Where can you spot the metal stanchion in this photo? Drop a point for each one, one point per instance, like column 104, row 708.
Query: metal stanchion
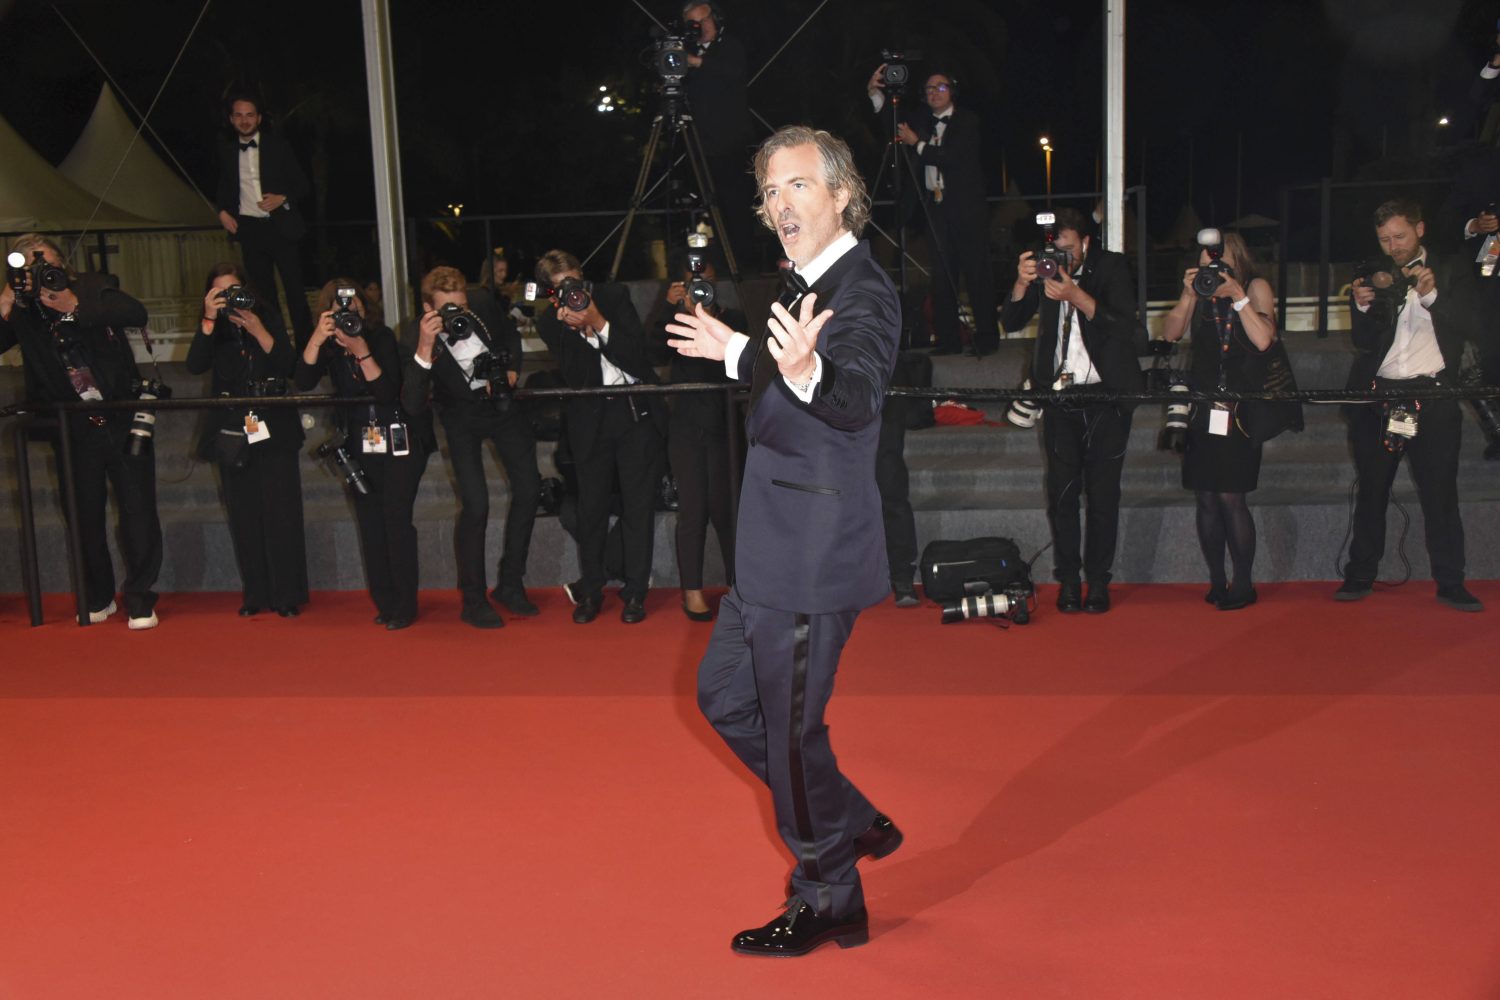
column 70, row 506
column 30, row 573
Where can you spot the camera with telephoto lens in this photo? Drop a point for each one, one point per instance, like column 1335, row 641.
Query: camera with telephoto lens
column 1163, row 377
column 354, row 476
column 43, row 274
column 237, row 297
column 897, row 75
column 1211, row 275
column 143, row 424
column 350, row 322
column 1050, row 259
column 1024, row 412
column 700, row 291
column 981, row 601
column 458, row 322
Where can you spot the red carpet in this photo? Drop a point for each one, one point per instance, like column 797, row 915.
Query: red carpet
column 1296, row 800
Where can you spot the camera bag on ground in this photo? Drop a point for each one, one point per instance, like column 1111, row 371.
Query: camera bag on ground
column 948, row 565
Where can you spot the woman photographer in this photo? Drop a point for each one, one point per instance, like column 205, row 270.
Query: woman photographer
column 362, row 359
column 1230, row 328
column 258, row 449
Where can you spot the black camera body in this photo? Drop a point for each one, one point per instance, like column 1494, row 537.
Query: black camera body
column 1051, row 260
column 1211, row 276
column 238, row 297
column 700, row 291
column 43, row 273
column 143, row 424
column 458, row 322
column 670, row 52
column 349, row 322
column 270, row 387
column 574, row 293
column 1383, row 274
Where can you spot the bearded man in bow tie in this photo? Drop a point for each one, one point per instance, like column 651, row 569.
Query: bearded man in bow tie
column 811, row 552
column 259, row 196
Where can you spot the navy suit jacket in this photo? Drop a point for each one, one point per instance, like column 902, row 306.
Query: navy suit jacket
column 810, row 536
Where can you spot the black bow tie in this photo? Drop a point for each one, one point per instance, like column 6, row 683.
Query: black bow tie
column 936, row 121
column 247, row 145
column 793, row 285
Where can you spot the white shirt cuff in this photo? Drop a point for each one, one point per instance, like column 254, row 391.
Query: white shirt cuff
column 1428, row 299
column 1470, row 230
column 878, row 99
column 1488, row 72
column 921, row 146
column 1363, row 309
column 425, row 364
column 806, row 394
column 732, row 352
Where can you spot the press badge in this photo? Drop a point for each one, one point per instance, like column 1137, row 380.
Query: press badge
column 255, row 431
column 1403, row 422
column 1218, row 421
column 374, row 442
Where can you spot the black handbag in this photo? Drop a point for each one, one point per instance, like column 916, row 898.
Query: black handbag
column 948, row 565
column 1268, row 371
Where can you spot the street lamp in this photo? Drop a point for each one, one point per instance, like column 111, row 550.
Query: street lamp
column 1047, row 150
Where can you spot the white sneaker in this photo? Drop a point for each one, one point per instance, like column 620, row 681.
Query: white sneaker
column 95, row 617
column 150, row 621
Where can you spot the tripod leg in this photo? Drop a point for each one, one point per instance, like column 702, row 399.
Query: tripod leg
column 699, row 163
column 637, row 197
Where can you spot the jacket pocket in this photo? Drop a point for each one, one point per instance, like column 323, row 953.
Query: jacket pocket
column 826, row 491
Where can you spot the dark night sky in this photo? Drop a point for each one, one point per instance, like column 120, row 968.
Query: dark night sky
column 496, row 100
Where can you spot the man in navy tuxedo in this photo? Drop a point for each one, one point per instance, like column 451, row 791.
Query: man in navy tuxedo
column 812, row 549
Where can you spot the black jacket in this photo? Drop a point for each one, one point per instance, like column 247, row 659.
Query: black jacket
column 957, row 157
column 279, row 174
column 240, row 368
column 1114, row 338
column 445, row 383
column 343, row 371
column 627, row 350
column 1453, row 312
column 716, row 98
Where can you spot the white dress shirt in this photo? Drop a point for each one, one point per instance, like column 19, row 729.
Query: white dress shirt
column 933, row 177
column 250, row 193
column 1077, row 363
column 1414, row 352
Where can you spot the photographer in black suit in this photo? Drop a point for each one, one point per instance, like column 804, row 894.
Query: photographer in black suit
column 944, row 141
column 1409, row 334
column 1087, row 337
column 466, row 358
column 715, row 87
column 73, row 347
column 597, row 339
column 260, row 193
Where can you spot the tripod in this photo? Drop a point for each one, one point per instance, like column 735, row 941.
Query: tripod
column 674, row 115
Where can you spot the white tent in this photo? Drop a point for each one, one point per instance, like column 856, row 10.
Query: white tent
column 34, row 196
column 142, row 184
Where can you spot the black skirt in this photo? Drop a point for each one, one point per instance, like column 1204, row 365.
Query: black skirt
column 1219, row 463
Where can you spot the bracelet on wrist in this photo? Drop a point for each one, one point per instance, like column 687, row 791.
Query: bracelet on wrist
column 364, row 358
column 1240, row 305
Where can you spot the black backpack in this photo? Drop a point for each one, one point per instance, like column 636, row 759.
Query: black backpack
column 947, row 566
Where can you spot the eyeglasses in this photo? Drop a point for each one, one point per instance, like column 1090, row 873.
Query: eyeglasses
column 941, row 88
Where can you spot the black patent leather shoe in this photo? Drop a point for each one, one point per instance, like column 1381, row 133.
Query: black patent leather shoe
column 634, row 611
column 382, row 618
column 879, row 841
column 1098, row 600
column 586, row 611
column 397, row 624
column 246, row 610
column 1070, row 598
column 906, row 595
column 706, row 615
column 290, row 611
column 482, row 616
column 800, row 929
column 514, row 600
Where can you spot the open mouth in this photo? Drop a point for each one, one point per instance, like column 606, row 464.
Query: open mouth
column 789, row 230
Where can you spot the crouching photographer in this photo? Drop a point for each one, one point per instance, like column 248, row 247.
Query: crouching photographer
column 71, row 331
column 384, row 449
column 597, row 339
column 466, row 357
column 258, row 449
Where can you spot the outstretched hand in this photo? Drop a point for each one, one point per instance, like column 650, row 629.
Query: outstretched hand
column 793, row 341
column 699, row 335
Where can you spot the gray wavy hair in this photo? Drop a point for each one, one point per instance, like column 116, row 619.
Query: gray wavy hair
column 838, row 171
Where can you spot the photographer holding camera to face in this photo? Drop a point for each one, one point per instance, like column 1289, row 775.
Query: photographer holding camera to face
column 1229, row 308
column 1408, row 322
column 71, row 331
column 597, row 339
column 258, row 450
column 389, row 447
column 466, row 357
column 1087, row 336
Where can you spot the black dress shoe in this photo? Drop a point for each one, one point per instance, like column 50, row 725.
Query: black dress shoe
column 634, row 611
column 482, row 616
column 1352, row 590
column 697, row 616
column 801, row 929
column 514, row 600
column 290, row 611
column 1098, row 600
column 1455, row 596
column 879, row 841
column 1214, row 595
column 397, row 624
column 246, row 610
column 1070, row 598
column 382, row 618
column 586, row 611
column 906, row 595
column 1234, row 600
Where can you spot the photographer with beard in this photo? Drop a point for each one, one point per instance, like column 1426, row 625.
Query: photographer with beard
column 1410, row 334
column 1087, row 337
column 597, row 339
column 360, row 356
column 73, row 347
column 466, row 359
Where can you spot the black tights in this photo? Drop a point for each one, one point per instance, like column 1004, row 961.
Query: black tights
column 1224, row 520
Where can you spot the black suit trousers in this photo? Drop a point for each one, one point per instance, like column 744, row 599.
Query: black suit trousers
column 1433, row 456
column 961, row 248
column 467, row 430
column 100, row 463
column 387, row 535
column 266, row 253
column 764, row 684
column 894, row 482
column 1085, row 457
column 632, row 451
column 699, row 455
column 264, row 501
